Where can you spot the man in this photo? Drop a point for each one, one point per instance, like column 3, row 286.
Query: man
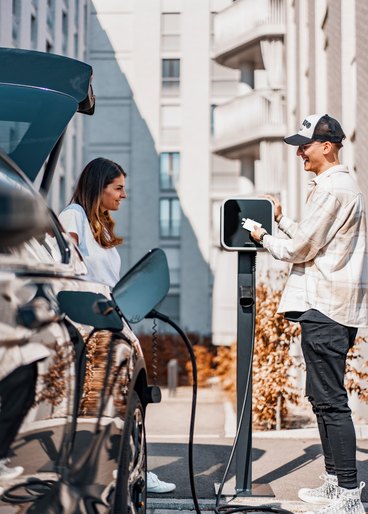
column 327, row 293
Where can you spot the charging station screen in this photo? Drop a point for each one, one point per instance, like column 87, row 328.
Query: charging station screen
column 238, row 215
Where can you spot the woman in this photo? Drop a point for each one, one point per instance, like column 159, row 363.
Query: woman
column 100, row 189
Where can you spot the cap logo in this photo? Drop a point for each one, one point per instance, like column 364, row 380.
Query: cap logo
column 306, row 123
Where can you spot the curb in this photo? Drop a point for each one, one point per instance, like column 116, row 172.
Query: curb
column 161, row 506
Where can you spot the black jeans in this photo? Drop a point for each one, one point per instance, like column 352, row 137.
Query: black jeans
column 17, row 393
column 325, row 346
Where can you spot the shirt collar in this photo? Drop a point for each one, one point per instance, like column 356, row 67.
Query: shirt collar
column 340, row 168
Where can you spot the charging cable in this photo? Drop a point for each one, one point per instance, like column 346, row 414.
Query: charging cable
column 223, row 508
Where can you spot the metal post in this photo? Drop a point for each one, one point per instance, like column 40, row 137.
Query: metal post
column 172, row 376
column 246, row 314
column 243, row 485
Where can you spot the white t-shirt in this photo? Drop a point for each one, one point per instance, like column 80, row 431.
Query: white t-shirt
column 103, row 264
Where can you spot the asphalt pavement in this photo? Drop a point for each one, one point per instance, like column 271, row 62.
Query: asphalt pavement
column 283, row 461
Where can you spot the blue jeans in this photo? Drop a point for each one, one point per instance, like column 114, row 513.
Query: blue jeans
column 325, row 346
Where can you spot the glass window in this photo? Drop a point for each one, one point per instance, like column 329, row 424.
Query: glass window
column 16, row 19
column 212, row 120
column 173, row 259
column 33, row 31
column 64, row 31
column 169, row 169
column 45, row 249
column 50, row 14
column 170, row 76
column 170, row 216
column 11, row 134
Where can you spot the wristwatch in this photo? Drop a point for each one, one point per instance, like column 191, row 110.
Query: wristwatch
column 262, row 236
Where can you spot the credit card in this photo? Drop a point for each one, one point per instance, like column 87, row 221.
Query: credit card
column 249, row 224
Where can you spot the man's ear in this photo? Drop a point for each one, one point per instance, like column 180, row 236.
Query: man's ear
column 327, row 147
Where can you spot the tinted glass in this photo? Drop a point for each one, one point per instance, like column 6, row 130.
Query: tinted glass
column 31, row 121
column 234, row 236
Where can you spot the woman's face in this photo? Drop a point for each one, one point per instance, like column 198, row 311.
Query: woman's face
column 113, row 194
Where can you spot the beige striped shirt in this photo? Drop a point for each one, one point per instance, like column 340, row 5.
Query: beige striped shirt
column 328, row 250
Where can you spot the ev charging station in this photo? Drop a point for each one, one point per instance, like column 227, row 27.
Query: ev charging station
column 238, row 218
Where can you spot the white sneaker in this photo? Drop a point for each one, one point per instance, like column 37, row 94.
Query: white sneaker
column 348, row 502
column 322, row 495
column 7, row 473
column 155, row 485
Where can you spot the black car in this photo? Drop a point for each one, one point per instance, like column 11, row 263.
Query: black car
column 82, row 443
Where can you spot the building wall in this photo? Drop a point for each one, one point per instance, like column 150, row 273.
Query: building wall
column 361, row 105
column 56, row 26
column 141, row 119
column 325, row 73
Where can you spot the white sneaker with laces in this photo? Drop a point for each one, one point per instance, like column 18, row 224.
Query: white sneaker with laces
column 348, row 502
column 323, row 494
column 7, row 473
column 157, row 486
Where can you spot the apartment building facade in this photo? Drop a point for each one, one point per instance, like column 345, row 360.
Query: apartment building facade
column 57, row 26
column 296, row 57
column 157, row 89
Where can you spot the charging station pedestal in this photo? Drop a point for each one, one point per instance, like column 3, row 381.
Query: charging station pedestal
column 236, row 214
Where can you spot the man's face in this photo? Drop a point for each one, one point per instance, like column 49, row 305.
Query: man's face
column 313, row 156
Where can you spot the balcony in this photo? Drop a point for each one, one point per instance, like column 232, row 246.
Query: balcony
column 241, row 26
column 242, row 123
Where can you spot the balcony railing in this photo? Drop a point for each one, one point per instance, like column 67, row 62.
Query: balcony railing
column 244, row 23
column 247, row 120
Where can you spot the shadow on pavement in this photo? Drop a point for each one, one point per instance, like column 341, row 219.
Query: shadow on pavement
column 170, row 462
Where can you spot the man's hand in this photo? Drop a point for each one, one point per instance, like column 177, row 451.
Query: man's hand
column 277, row 207
column 257, row 233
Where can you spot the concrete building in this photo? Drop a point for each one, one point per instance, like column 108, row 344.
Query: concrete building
column 156, row 90
column 296, row 57
column 250, row 37
column 57, row 26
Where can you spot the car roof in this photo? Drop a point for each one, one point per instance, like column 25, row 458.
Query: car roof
column 39, row 94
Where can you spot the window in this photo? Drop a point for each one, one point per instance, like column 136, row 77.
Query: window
column 15, row 20
column 169, row 170
column 212, row 120
column 170, row 76
column 50, row 14
column 33, row 32
column 173, row 259
column 64, row 32
column 11, row 134
column 170, row 217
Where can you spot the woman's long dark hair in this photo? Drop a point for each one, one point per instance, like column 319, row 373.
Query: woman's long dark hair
column 98, row 174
